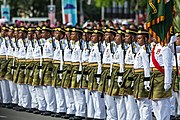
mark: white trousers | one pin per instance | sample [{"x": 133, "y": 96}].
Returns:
[
  {"x": 121, "y": 107},
  {"x": 34, "y": 102},
  {"x": 49, "y": 94},
  {"x": 40, "y": 98},
  {"x": 26, "y": 96},
  {"x": 90, "y": 106},
  {"x": 80, "y": 102},
  {"x": 111, "y": 107},
  {"x": 13, "y": 92},
  {"x": 87, "y": 95},
  {"x": 20, "y": 99},
  {"x": 131, "y": 108},
  {"x": 0, "y": 93},
  {"x": 60, "y": 100},
  {"x": 145, "y": 108},
  {"x": 6, "y": 95},
  {"x": 173, "y": 104},
  {"x": 177, "y": 95},
  {"x": 70, "y": 104},
  {"x": 162, "y": 109},
  {"x": 99, "y": 105}
]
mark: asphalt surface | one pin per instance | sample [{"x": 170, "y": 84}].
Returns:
[{"x": 9, "y": 114}]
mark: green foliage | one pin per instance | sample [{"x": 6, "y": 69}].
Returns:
[
  {"x": 31, "y": 8},
  {"x": 177, "y": 17}
]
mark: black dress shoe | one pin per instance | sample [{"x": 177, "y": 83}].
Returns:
[
  {"x": 59, "y": 114},
  {"x": 172, "y": 117},
  {"x": 47, "y": 113},
  {"x": 67, "y": 116},
  {"x": 76, "y": 118},
  {"x": 9, "y": 105},
  {"x": 30, "y": 110},
  {"x": 89, "y": 118},
  {"x": 36, "y": 111},
  {"x": 14, "y": 105},
  {"x": 20, "y": 108},
  {"x": 98, "y": 119},
  {"x": 1, "y": 104}
]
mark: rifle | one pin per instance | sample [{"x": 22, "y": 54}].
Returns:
[
  {"x": 132, "y": 46},
  {"x": 61, "y": 47},
  {"x": 101, "y": 54},
  {"x": 80, "y": 46},
  {"x": 87, "y": 43},
  {"x": 146, "y": 47},
  {"x": 10, "y": 42},
  {"x": 68, "y": 43}
]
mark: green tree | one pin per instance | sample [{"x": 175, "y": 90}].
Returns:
[
  {"x": 30, "y": 8},
  {"x": 177, "y": 17}
]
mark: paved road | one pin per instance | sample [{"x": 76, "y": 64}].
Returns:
[{"x": 9, "y": 114}]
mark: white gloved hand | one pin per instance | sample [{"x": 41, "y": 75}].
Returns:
[
  {"x": 147, "y": 85},
  {"x": 173, "y": 39},
  {"x": 109, "y": 82},
  {"x": 31, "y": 73},
  {"x": 132, "y": 84},
  {"x": 60, "y": 76},
  {"x": 98, "y": 80},
  {"x": 119, "y": 81},
  {"x": 78, "y": 78},
  {"x": 167, "y": 86},
  {"x": 40, "y": 73},
  {"x": 25, "y": 71},
  {"x": 12, "y": 71},
  {"x": 87, "y": 79}
]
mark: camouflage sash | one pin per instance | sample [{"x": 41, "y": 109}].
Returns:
[
  {"x": 36, "y": 79},
  {"x": 66, "y": 76},
  {"x": 21, "y": 73},
  {"x": 139, "y": 90},
  {"x": 104, "y": 75},
  {"x": 84, "y": 83},
  {"x": 8, "y": 75},
  {"x": 47, "y": 73},
  {"x": 3, "y": 67},
  {"x": 157, "y": 86},
  {"x": 73, "y": 79},
  {"x": 56, "y": 81},
  {"x": 29, "y": 68},
  {"x": 92, "y": 82},
  {"x": 127, "y": 79},
  {"x": 113, "y": 90}
]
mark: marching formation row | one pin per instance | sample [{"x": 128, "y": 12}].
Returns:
[{"x": 78, "y": 73}]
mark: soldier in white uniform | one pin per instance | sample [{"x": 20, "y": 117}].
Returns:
[
  {"x": 47, "y": 72},
  {"x": 30, "y": 69},
  {"x": 70, "y": 103},
  {"x": 84, "y": 81},
  {"x": 9, "y": 74},
  {"x": 105, "y": 81},
  {"x": 117, "y": 75},
  {"x": 142, "y": 76},
  {"x": 75, "y": 81},
  {"x": 37, "y": 73},
  {"x": 19, "y": 75},
  {"x": 175, "y": 110},
  {"x": 6, "y": 96},
  {"x": 131, "y": 105},
  {"x": 95, "y": 61},
  {"x": 161, "y": 80},
  {"x": 60, "y": 43}
]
